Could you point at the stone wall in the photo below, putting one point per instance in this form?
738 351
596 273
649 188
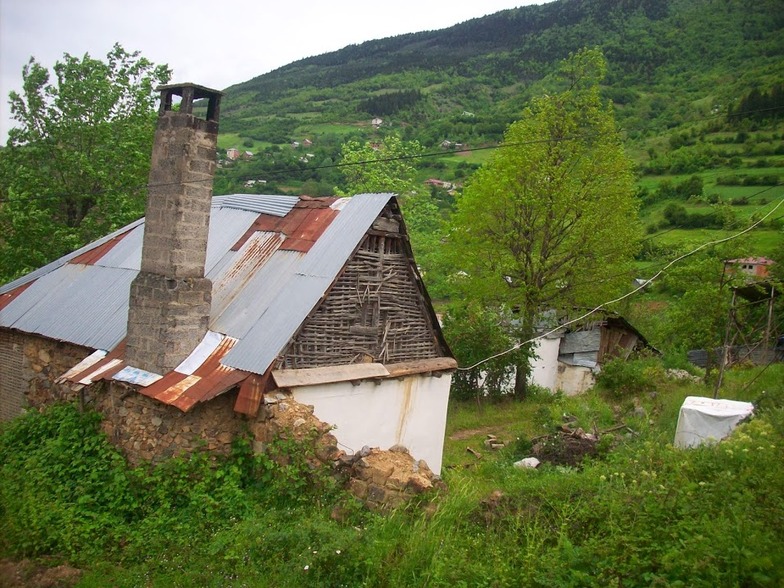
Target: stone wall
147 430
29 364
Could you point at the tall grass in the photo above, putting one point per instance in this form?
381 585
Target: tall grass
644 514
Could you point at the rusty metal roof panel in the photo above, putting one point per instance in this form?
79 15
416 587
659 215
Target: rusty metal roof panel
227 225
82 304
232 275
274 205
249 303
275 327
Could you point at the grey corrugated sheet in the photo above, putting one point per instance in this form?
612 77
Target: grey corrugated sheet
286 312
226 227
127 253
267 203
581 341
249 303
82 304
65 259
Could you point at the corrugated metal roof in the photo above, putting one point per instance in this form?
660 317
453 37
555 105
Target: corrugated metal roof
249 303
199 378
82 304
262 291
274 205
50 267
274 329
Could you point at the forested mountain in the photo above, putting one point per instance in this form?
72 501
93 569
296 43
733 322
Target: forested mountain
670 61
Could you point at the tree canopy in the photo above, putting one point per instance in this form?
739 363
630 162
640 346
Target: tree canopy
76 164
550 222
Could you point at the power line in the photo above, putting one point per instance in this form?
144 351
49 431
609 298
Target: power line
290 169
628 294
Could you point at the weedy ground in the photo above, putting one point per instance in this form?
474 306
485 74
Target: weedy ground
640 513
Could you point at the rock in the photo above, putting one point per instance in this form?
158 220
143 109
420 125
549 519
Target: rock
298 423
364 452
375 493
156 421
358 488
528 462
398 449
419 483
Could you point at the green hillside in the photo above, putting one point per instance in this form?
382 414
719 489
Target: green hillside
677 69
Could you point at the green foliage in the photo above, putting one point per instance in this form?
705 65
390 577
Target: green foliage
622 378
553 207
77 164
388 166
645 514
63 488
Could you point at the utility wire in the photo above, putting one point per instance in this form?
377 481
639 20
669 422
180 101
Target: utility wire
291 169
628 294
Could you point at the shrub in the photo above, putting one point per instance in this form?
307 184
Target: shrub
622 378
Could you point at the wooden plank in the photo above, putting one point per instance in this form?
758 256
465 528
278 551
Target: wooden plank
324 375
421 366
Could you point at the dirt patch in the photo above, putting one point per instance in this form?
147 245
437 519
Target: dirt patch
468 433
28 574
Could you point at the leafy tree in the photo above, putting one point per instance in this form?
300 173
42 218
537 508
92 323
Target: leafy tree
551 220
77 163
386 166
389 166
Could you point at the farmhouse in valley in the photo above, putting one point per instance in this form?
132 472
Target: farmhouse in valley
186 327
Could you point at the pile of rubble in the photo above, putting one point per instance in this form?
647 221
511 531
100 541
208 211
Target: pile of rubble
382 479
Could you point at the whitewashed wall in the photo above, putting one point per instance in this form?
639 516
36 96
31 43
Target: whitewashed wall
544 369
409 411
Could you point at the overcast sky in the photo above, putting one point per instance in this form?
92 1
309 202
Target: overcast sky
215 44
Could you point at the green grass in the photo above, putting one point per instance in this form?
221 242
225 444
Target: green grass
642 514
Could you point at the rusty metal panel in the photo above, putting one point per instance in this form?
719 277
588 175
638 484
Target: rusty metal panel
232 275
226 226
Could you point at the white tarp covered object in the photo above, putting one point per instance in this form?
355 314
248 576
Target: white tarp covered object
707 420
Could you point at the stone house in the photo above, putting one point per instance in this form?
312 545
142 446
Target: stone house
209 316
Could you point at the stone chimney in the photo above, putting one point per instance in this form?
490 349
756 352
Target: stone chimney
170 298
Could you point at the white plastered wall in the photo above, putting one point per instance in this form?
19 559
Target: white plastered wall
544 369
409 411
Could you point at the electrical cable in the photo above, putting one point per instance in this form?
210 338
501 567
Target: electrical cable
287 170
624 296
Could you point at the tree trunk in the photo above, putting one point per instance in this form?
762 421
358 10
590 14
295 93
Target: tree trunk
521 379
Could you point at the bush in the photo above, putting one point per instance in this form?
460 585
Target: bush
622 378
